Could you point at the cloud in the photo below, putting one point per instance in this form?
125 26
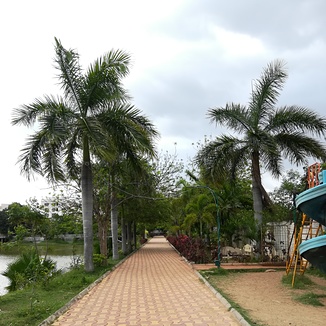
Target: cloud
187 56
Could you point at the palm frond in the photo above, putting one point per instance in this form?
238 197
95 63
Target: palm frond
71 151
222 156
30 159
129 130
27 115
42 153
266 91
270 154
294 118
70 76
103 80
52 159
233 116
119 60
298 147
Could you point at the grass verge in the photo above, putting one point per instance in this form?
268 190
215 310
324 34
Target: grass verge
301 281
32 305
311 299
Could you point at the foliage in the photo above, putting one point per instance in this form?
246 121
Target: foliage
15 306
4 222
27 269
21 232
38 218
99 260
292 184
65 224
25 220
167 170
194 212
63 210
193 249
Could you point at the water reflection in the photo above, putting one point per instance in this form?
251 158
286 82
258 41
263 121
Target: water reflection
63 262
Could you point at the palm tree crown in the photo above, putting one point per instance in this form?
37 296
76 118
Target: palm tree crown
263 135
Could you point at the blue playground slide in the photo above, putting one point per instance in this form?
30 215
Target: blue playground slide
312 202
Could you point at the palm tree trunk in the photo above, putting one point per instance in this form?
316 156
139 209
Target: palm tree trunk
103 236
129 237
114 222
135 235
87 207
123 236
256 189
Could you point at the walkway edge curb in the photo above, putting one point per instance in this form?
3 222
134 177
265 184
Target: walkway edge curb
219 296
62 310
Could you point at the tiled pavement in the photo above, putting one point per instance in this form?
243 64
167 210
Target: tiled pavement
154 286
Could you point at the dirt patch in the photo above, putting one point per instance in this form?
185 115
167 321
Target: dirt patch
271 303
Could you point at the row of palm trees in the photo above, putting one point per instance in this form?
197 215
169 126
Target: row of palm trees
92 121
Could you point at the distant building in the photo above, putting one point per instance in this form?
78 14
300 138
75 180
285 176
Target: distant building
51 207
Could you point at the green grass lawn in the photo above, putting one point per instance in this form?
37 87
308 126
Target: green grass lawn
32 305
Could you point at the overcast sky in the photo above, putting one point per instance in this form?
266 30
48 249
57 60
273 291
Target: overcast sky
187 56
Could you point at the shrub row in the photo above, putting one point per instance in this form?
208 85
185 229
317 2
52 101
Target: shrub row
193 249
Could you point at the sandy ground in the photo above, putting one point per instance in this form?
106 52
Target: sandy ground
271 303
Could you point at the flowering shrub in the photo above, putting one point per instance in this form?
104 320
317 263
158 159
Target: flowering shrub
193 249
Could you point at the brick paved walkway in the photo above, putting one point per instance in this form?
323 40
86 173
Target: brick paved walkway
154 286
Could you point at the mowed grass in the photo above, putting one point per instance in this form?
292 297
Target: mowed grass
32 305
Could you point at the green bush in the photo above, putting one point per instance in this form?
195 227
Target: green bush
99 260
29 268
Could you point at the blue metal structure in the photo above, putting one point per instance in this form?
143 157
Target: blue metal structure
312 202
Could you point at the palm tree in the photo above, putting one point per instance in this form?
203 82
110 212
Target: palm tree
131 134
263 135
68 126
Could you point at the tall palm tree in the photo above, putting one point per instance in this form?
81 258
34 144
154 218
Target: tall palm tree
68 126
132 136
263 135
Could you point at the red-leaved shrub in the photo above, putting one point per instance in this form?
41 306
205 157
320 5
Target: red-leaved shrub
193 249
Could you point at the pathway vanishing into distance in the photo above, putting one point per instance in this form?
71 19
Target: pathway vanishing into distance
154 286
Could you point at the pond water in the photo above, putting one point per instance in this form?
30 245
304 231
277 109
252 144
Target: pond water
63 261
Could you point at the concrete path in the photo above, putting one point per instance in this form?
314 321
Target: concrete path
154 286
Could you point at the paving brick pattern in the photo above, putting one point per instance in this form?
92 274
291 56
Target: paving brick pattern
154 286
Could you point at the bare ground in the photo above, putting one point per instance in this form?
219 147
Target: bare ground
269 302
